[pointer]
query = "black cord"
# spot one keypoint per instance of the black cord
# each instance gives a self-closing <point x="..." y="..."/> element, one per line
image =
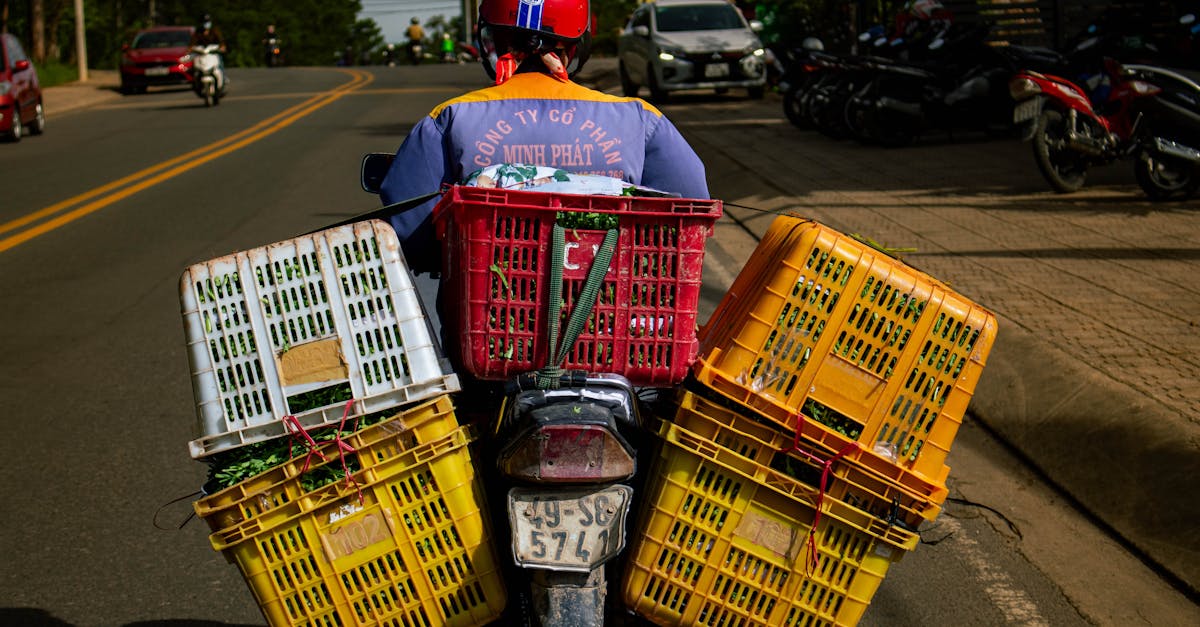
<point x="191" y="515"/>
<point x="1012" y="526"/>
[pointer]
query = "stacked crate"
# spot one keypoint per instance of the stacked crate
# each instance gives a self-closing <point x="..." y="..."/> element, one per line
<point x="301" y="340"/>
<point x="811" y="441"/>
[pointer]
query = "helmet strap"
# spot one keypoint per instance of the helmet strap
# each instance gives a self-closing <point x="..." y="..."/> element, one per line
<point x="508" y="63"/>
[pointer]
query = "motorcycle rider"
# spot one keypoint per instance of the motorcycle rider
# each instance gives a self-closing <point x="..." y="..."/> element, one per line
<point x="415" y="35"/>
<point x="534" y="114"/>
<point x="270" y="43"/>
<point x="208" y="34"/>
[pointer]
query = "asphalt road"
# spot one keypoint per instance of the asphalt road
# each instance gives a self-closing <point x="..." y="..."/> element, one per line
<point x="94" y="365"/>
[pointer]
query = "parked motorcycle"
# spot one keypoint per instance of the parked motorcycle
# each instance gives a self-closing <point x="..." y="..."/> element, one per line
<point x="1069" y="134"/>
<point x="208" y="74"/>
<point x="961" y="86"/>
<point x="1167" y="161"/>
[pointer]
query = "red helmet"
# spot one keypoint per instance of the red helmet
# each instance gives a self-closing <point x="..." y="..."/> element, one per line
<point x="564" y="19"/>
<point x="534" y="25"/>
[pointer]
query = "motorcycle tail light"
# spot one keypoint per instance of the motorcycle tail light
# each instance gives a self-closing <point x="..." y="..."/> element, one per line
<point x="568" y="453"/>
<point x="1022" y="87"/>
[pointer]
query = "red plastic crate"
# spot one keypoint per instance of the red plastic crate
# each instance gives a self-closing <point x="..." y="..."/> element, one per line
<point x="495" y="254"/>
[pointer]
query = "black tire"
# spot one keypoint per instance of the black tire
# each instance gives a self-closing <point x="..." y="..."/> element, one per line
<point x="794" y="108"/>
<point x="1064" y="169"/>
<point x="657" y="93"/>
<point x="210" y="95"/>
<point x="860" y="119"/>
<point x="18" y="128"/>
<point x="39" y="120"/>
<point x="1165" y="178"/>
<point x="628" y="87"/>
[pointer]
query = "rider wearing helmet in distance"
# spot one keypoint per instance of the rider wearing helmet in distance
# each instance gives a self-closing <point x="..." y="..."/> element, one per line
<point x="534" y="115"/>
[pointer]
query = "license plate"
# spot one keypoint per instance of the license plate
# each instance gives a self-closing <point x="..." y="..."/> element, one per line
<point x="156" y="71"/>
<point x="716" y="70"/>
<point x="1027" y="110"/>
<point x="572" y="529"/>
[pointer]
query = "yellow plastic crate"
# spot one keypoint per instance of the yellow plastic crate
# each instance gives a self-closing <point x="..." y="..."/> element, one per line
<point x="723" y="542"/>
<point x="410" y="545"/>
<point x="866" y="347"/>
<point x="259" y="495"/>
<point x="882" y="496"/>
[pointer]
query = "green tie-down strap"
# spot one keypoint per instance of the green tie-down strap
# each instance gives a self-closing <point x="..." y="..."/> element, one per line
<point x="548" y="377"/>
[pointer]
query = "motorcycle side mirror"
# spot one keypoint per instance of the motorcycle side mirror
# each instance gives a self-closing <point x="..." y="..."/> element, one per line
<point x="864" y="37"/>
<point x="375" y="166"/>
<point x="1188" y="19"/>
<point x="881" y="42"/>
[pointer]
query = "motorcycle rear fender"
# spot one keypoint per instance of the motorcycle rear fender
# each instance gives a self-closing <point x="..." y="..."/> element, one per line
<point x="1064" y="92"/>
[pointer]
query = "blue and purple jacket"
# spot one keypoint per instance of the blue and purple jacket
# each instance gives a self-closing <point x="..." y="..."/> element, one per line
<point x="534" y="119"/>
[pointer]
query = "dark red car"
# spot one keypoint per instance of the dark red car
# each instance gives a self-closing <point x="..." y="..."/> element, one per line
<point x="21" y="109"/>
<point x="157" y="56"/>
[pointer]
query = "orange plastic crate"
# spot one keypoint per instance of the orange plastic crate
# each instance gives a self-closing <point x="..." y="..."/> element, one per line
<point x="866" y="347"/>
<point x="723" y="542"/>
<point x="879" y="495"/>
<point x="409" y="545"/>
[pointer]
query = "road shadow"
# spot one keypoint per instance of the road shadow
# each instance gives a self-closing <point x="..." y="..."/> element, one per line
<point x="37" y="617"/>
<point x="30" y="617"/>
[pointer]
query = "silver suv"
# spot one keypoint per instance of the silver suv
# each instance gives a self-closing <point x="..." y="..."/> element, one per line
<point x="670" y="45"/>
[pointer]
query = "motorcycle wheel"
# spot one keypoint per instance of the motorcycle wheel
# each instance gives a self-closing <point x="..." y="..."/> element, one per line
<point x="1165" y="178"/>
<point x="1064" y="169"/>
<point x="210" y="96"/>
<point x="793" y="108"/>
<point x="628" y="88"/>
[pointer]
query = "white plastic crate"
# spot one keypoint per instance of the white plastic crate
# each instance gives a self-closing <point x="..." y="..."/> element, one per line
<point x="330" y="309"/>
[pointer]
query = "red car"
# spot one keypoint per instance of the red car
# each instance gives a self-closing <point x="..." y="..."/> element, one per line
<point x="20" y="93"/>
<point x="157" y="56"/>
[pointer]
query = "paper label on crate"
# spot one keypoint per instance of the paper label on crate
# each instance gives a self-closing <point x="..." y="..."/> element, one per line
<point x="313" y="362"/>
<point x="782" y="540"/>
<point x="358" y="532"/>
<point x="846" y="387"/>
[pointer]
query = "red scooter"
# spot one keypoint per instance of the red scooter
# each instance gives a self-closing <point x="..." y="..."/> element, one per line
<point x="1070" y="132"/>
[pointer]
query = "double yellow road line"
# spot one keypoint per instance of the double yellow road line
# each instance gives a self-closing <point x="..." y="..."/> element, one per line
<point x="45" y="220"/>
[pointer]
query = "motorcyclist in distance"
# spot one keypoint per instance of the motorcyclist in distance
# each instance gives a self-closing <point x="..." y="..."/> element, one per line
<point x="270" y="43"/>
<point x="536" y="115"/>
<point x="415" y="35"/>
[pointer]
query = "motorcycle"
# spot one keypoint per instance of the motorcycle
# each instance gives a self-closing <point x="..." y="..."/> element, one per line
<point x="415" y="52"/>
<point x="1167" y="160"/>
<point x="208" y="75"/>
<point x="962" y="85"/>
<point x="1069" y="134"/>
<point x="566" y="445"/>
<point x="273" y="53"/>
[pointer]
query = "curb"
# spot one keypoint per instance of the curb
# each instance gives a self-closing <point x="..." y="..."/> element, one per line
<point x="1123" y="458"/>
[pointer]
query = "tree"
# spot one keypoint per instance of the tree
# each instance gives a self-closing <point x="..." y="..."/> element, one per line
<point x="312" y="30"/>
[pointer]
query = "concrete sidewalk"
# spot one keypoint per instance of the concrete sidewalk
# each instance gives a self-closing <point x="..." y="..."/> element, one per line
<point x="1121" y="451"/>
<point x="101" y="87"/>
